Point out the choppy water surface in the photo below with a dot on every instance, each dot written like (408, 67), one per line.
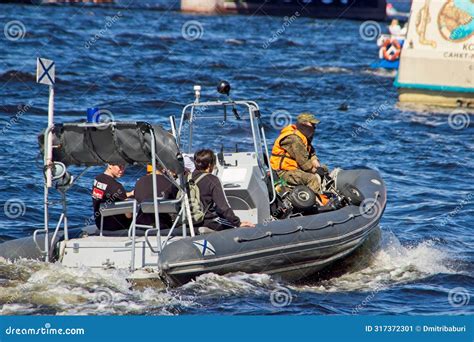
(137, 64)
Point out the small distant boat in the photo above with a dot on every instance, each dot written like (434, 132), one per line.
(393, 13)
(390, 47)
(294, 237)
(354, 9)
(45, 2)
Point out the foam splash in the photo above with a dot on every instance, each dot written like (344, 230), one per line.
(229, 284)
(381, 72)
(32, 287)
(392, 264)
(235, 41)
(325, 70)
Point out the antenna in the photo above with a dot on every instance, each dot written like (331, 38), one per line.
(197, 93)
(224, 89)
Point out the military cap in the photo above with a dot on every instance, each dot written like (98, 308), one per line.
(307, 117)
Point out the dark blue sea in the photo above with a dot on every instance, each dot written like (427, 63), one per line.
(141, 64)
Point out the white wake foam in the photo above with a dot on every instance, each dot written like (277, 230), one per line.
(229, 284)
(325, 70)
(36, 287)
(392, 264)
(381, 72)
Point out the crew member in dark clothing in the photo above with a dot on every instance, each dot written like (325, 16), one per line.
(219, 214)
(107, 189)
(144, 192)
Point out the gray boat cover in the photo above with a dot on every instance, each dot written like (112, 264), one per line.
(89, 144)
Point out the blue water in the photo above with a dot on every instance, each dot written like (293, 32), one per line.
(140, 67)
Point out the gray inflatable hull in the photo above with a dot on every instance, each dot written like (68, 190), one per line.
(293, 248)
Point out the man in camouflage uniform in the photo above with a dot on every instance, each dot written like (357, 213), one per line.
(293, 156)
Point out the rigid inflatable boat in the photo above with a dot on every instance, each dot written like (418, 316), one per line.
(292, 248)
(293, 238)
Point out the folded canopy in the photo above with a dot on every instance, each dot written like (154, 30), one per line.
(91, 144)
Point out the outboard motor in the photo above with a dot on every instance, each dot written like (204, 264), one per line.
(302, 198)
(294, 201)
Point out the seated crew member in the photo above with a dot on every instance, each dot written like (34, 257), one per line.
(395, 29)
(107, 189)
(218, 214)
(144, 192)
(293, 156)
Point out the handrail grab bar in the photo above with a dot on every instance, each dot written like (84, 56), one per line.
(270, 168)
(173, 226)
(56, 230)
(148, 231)
(148, 241)
(35, 233)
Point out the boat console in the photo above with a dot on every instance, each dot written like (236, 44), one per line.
(244, 186)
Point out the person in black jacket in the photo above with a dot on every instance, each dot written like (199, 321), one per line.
(219, 214)
(107, 190)
(144, 192)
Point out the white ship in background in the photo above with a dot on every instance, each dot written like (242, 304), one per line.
(437, 59)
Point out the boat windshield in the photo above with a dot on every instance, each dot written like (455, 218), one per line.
(219, 127)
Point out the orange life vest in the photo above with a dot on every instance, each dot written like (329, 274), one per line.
(281, 159)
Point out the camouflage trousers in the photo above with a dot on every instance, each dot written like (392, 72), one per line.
(299, 177)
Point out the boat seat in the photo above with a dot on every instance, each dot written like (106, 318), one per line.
(139, 232)
(117, 208)
(164, 206)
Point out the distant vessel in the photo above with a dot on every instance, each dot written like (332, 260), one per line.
(437, 59)
(394, 13)
(44, 2)
(339, 9)
(389, 52)
(354, 9)
(390, 46)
